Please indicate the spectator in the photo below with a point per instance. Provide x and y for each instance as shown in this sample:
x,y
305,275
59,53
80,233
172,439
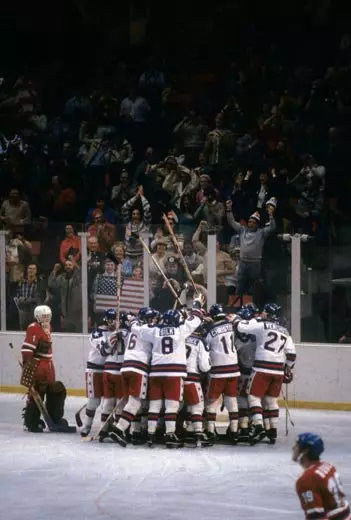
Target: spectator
x,y
30,292
191,131
211,210
14,211
219,143
252,240
119,250
18,254
70,247
69,287
120,194
108,213
137,217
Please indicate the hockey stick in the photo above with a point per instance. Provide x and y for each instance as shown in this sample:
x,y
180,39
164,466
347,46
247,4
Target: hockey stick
x,y
42,406
96,437
159,268
77,416
182,259
287,413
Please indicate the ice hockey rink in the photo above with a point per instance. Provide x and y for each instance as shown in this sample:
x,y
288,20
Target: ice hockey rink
x,y
57,476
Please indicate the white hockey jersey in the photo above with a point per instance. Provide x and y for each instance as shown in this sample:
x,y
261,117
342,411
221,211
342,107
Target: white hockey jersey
x,y
114,360
168,347
274,345
245,345
137,355
223,355
197,358
99,349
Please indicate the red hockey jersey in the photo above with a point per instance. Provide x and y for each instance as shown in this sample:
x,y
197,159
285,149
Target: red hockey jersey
x,y
321,493
36,337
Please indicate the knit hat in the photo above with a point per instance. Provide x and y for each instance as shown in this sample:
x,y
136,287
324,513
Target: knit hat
x,y
272,202
255,216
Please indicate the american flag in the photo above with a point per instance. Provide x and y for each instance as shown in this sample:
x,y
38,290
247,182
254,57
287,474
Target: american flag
x,y
132,294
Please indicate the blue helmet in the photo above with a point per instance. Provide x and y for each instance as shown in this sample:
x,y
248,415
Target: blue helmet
x,y
252,307
216,311
146,314
244,314
173,317
124,318
272,310
312,442
109,315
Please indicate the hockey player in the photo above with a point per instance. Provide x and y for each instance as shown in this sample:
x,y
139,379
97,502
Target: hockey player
x,y
197,363
112,378
168,367
246,347
37,360
224,373
275,353
319,488
135,372
100,348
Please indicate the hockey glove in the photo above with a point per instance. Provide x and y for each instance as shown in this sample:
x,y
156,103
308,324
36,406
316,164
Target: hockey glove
x,y
288,375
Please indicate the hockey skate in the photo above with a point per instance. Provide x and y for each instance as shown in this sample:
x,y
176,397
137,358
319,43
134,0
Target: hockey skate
x,y
256,434
84,432
151,438
139,438
243,435
272,435
232,437
172,441
118,436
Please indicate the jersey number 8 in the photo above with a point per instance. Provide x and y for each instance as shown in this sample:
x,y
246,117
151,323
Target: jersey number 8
x,y
167,345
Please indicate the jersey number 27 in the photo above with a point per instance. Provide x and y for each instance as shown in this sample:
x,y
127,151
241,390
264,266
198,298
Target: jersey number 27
x,y
276,342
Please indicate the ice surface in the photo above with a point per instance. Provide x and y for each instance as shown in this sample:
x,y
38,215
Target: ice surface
x,y
57,476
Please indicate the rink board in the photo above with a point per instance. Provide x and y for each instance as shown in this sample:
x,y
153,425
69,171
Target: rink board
x,y
322,377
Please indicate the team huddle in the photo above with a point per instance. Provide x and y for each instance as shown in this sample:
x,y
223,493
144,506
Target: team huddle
x,y
166,376
174,371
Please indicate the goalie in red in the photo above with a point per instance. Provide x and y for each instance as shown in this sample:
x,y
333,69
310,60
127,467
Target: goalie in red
x,y
39,373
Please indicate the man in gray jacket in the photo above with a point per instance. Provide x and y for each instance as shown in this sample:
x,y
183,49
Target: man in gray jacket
x,y
252,239
68,285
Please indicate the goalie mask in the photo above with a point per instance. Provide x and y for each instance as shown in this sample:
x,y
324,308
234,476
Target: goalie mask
x,y
43,314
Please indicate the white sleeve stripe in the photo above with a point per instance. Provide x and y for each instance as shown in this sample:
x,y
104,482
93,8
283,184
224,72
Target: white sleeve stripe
x,y
27,350
29,345
315,510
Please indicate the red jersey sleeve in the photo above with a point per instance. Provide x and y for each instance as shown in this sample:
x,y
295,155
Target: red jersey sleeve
x,y
30,342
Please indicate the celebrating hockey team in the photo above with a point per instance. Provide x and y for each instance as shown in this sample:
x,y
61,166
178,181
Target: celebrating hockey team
x,y
166,377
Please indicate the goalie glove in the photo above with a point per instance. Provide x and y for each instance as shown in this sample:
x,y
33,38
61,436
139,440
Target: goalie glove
x,y
288,375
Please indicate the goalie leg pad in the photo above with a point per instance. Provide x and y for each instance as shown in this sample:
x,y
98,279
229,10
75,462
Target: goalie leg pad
x,y
31,416
55,401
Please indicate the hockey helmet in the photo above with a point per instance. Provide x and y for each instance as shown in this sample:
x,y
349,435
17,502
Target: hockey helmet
x,y
173,317
312,443
252,307
272,310
42,313
124,319
216,311
110,315
147,314
244,314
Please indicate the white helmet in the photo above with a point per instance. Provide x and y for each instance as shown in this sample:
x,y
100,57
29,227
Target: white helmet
x,y
43,314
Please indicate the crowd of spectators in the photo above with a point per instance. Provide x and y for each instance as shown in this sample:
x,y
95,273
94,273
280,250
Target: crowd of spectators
x,y
248,154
